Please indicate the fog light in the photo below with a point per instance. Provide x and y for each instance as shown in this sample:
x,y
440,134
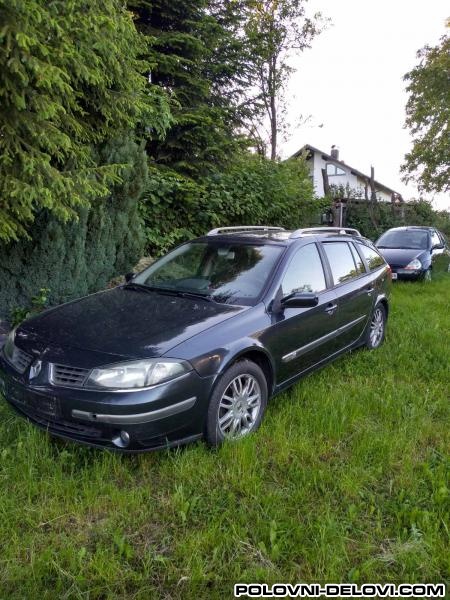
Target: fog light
x,y
122,440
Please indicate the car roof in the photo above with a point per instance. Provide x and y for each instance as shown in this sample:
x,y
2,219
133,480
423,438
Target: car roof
x,y
407,227
281,236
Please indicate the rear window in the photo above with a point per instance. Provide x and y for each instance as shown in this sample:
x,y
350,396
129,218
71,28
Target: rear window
x,y
373,259
343,267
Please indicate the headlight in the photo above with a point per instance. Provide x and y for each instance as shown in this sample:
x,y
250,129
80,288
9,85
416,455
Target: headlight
x,y
137,374
8,348
414,264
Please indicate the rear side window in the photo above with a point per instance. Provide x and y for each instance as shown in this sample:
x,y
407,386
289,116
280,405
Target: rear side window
x,y
305,272
343,267
435,240
360,268
373,259
444,239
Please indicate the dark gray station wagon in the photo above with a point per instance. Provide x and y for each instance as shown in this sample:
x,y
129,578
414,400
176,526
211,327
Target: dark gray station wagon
x,y
195,345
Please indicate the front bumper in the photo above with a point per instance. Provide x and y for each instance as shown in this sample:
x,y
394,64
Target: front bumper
x,y
166,415
408,274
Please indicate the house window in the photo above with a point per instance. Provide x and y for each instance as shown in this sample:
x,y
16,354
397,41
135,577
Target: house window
x,y
333,170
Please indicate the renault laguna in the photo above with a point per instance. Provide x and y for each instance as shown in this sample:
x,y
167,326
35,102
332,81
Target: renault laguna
x,y
195,345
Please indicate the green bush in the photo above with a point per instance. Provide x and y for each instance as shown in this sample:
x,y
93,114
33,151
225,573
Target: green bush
x,y
373,219
254,191
38,304
75,258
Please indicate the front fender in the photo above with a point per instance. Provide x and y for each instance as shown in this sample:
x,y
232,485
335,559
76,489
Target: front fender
x,y
212,351
216,362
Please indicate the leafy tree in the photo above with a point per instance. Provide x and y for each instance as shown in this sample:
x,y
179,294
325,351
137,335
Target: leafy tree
x,y
428,118
275,29
70,79
197,60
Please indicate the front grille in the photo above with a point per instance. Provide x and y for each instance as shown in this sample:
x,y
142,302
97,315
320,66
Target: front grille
x,y
45,406
19,359
59,425
68,376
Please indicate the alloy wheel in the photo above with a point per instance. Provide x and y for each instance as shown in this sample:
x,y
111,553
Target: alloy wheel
x,y
239,406
377,328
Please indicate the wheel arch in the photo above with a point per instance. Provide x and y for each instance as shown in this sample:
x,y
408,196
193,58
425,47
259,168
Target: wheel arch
x,y
384,302
260,357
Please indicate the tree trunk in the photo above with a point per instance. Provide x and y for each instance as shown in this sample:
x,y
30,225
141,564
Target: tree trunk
x,y
273,128
326,183
373,193
372,199
273,109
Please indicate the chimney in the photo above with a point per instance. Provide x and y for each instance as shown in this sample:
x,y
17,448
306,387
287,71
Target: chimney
x,y
334,152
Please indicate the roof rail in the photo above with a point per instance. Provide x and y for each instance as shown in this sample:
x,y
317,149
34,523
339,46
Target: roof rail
x,y
244,228
318,230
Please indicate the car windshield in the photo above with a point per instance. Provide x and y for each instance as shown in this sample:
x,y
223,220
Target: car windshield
x,y
416,239
225,272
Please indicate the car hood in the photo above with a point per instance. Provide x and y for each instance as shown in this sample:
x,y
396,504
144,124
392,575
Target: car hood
x,y
121,322
400,257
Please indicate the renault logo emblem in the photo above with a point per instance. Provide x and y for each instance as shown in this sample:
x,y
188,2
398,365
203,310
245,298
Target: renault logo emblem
x,y
35,369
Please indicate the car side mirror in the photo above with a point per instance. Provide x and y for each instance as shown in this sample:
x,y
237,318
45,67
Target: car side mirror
x,y
438,247
129,277
300,300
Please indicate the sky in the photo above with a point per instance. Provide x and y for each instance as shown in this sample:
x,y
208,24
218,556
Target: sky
x,y
351,83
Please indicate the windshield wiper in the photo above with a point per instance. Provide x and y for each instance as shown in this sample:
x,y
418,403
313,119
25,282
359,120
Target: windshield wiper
x,y
185,294
139,287
166,291
400,248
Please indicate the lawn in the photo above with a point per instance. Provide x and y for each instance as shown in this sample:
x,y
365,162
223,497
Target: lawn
x,y
347,480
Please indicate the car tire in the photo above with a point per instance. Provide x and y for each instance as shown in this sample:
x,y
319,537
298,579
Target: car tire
x,y
237,403
427,276
377,328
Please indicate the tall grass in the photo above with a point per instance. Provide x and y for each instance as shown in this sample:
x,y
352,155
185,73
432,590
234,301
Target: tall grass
x,y
347,480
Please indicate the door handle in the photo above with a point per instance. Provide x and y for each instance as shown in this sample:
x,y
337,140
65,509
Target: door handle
x,y
370,290
331,308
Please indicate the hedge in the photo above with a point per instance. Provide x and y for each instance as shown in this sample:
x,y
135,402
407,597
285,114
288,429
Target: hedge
x,y
373,220
254,191
81,256
152,211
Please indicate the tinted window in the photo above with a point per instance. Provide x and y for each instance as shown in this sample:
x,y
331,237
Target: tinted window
x,y
227,272
341,261
360,268
416,239
305,272
373,259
